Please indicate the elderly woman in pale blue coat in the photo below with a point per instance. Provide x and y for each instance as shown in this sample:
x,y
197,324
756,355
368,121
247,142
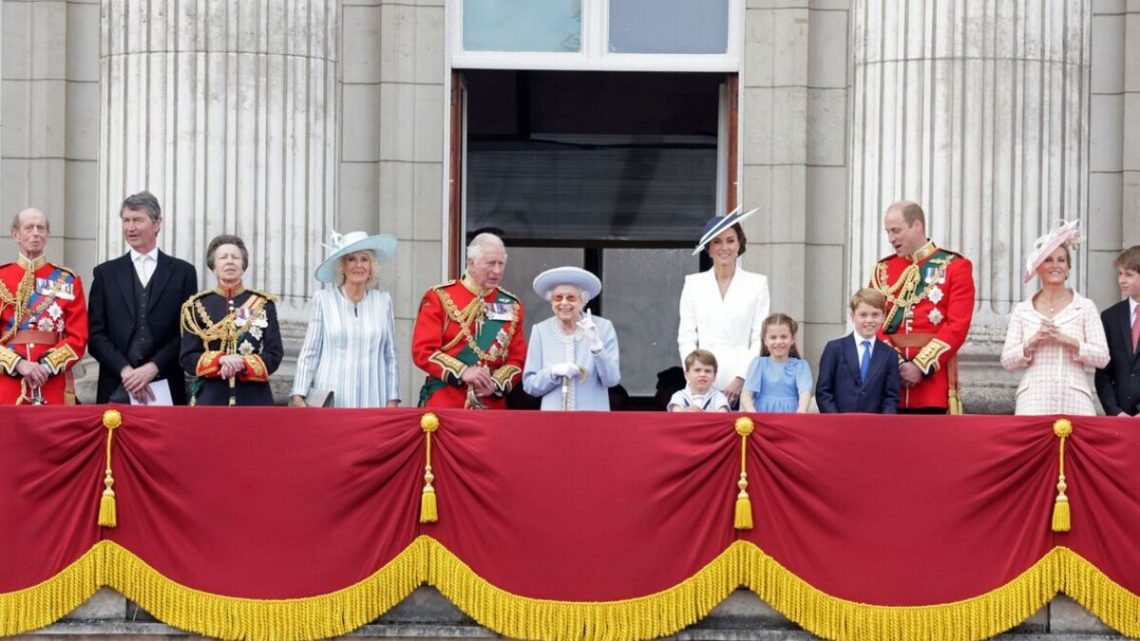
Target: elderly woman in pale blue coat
x,y
572,358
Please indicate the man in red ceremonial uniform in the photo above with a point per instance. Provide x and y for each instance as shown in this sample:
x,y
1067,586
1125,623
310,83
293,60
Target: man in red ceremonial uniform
x,y
43,320
468,335
930,302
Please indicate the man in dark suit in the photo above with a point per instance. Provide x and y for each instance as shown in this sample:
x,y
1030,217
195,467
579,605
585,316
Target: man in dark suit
x,y
1118,384
859,373
134,310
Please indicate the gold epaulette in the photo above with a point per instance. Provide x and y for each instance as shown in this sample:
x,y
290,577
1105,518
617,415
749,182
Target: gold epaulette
x,y
67,269
444,285
269,297
195,297
188,323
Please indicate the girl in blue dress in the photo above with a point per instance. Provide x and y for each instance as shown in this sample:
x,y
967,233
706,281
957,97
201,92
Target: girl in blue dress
x,y
779,380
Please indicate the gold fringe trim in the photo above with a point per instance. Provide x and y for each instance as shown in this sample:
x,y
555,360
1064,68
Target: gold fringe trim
x,y
225,617
47,602
645,617
971,619
1114,605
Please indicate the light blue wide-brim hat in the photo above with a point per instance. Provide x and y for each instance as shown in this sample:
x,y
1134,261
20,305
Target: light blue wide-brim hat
x,y
718,224
545,282
341,245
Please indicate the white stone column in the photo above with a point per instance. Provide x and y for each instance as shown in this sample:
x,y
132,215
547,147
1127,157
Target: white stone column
x,y
980,112
228,112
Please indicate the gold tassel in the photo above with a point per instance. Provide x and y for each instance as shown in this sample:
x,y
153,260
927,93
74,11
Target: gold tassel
x,y
1063,428
743,520
108,516
429,513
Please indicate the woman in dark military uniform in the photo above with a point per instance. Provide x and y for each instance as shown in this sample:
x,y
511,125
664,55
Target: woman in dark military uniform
x,y
230,338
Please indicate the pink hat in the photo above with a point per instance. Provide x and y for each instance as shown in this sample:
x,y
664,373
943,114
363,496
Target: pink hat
x,y
1067,234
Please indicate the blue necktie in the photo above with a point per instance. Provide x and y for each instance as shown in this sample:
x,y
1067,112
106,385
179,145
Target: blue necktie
x,y
865,362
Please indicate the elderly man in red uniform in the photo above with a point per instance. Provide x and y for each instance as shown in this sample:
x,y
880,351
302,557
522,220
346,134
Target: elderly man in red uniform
x,y
43,320
930,302
468,335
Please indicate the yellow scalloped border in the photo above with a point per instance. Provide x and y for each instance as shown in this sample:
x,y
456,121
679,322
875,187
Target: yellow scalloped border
x,y
49,601
970,619
645,617
225,617
653,615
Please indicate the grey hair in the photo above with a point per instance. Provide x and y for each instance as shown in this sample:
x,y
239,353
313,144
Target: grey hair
x,y
227,239
20,214
142,201
581,293
481,242
374,268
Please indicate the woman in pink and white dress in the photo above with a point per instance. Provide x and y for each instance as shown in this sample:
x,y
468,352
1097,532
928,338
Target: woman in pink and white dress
x,y
1055,334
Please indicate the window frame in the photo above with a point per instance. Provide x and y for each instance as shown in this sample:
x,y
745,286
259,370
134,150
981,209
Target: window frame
x,y
594,54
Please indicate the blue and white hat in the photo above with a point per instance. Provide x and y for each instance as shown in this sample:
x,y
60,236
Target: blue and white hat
x,y
717,224
545,282
341,245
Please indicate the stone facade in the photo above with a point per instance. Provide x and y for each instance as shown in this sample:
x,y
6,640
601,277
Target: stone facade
x,y
284,120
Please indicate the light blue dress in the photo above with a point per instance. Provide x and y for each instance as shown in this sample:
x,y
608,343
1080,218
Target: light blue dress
x,y
776,387
350,349
549,345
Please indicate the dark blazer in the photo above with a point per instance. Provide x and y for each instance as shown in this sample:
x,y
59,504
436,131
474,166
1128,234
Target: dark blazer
x,y
840,388
112,313
1118,384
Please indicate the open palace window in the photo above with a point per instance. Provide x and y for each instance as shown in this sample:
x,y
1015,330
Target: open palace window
x,y
601,134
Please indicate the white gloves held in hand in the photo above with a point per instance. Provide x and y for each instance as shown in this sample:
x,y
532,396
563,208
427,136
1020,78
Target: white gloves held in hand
x,y
566,370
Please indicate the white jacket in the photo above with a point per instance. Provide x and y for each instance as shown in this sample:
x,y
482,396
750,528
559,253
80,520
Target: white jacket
x,y
728,327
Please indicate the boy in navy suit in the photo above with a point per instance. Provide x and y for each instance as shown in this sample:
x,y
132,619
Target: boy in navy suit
x,y
859,373
1118,384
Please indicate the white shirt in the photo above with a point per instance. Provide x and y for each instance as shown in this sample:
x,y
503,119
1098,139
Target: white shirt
x,y
859,345
145,264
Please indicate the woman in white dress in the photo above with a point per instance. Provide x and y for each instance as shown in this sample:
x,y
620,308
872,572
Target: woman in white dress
x,y
1055,334
572,358
723,309
349,348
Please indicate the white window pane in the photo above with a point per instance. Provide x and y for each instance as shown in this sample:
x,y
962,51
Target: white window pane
x,y
668,26
522,25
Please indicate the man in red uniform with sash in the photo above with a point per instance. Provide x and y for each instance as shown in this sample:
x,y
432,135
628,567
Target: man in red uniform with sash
x,y
468,335
43,320
930,302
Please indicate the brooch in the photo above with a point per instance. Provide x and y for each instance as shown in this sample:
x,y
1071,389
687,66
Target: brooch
x,y
935,316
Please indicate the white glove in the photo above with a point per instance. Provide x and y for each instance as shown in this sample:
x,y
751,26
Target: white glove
x,y
566,370
590,330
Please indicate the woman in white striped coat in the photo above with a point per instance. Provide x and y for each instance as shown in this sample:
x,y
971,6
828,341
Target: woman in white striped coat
x,y
349,348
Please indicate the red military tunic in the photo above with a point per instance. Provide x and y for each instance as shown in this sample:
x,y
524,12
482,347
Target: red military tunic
x,y
457,327
43,319
930,302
